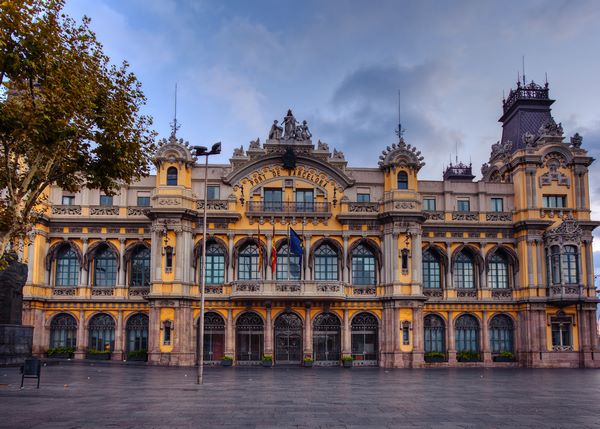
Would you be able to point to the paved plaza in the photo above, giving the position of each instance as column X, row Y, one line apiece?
column 125, row 396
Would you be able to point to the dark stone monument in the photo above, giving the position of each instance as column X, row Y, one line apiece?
column 15, row 339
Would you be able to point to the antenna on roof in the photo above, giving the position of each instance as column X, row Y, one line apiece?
column 400, row 130
column 174, row 125
column 546, row 73
column 456, row 142
column 524, row 81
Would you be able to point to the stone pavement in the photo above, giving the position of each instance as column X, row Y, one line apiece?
column 124, row 396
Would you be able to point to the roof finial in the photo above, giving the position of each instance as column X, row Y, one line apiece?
column 400, row 130
column 174, row 125
column 524, row 81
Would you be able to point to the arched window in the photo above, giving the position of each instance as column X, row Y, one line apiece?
column 569, row 265
column 365, row 339
column 67, row 267
column 248, row 263
column 402, row 180
column 137, row 333
column 555, row 264
column 140, row 268
column 326, row 263
column 285, row 271
column 435, row 334
column 498, row 271
column 363, row 266
column 327, row 338
column 171, row 176
column 467, row 334
column 215, row 264
column 105, row 267
column 501, row 334
column 431, row 270
column 214, row 337
column 288, row 338
column 464, row 275
column 63, row 331
column 249, row 337
column 102, row 332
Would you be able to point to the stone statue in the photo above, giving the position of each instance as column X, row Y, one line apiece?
column 338, row 154
column 305, row 133
column 276, row 131
column 12, row 280
column 576, row 140
column 289, row 123
column 529, row 139
column 322, row 146
column 255, row 144
column 238, row 152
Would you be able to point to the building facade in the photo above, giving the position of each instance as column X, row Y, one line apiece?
column 395, row 271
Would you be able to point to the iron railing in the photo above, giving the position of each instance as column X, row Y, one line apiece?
column 287, row 207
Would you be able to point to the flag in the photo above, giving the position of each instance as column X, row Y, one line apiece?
column 273, row 254
column 296, row 244
column 260, row 252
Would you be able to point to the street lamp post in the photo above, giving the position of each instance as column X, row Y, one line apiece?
column 203, row 151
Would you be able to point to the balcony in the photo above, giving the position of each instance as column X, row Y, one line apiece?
column 287, row 289
column 565, row 294
column 278, row 209
column 66, row 210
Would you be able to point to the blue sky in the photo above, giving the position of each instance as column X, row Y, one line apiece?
column 339, row 65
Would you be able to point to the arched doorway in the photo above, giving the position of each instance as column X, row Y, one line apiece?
column 288, row 339
column 249, row 339
column 326, row 339
column 137, row 334
column 63, row 331
column 214, row 337
column 365, row 339
column 101, row 331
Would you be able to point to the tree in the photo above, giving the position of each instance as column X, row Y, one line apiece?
column 67, row 115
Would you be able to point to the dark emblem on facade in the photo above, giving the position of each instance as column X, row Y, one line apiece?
column 289, row 159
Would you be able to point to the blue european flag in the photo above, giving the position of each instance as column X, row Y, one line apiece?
column 296, row 245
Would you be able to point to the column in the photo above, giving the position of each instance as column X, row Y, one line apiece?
column 229, row 336
column 30, row 256
column 270, row 249
column 589, row 264
column 417, row 256
column 451, row 343
column 154, row 330
column 268, row 332
column 158, row 231
column 306, row 259
column 394, row 252
column 396, row 330
column 118, row 352
column 449, row 284
column 81, row 336
column 485, row 341
column 121, row 277
column 345, row 276
column 482, row 277
column 417, row 330
column 346, row 338
column 529, row 264
column 538, row 256
column 308, row 346
column 230, row 237
column 179, row 253
column 593, row 329
column 83, row 280
column 47, row 270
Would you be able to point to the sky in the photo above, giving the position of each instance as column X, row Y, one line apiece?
column 339, row 65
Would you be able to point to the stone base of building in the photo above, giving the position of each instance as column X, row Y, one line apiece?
column 15, row 344
column 561, row 360
column 172, row 359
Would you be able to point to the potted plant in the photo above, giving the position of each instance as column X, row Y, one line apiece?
column 267, row 361
column 227, row 361
column 94, row 354
column 308, row 362
column 467, row 356
column 504, row 357
column 138, row 355
column 347, row 361
column 60, row 353
column 435, row 357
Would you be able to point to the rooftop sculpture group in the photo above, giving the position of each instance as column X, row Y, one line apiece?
column 291, row 129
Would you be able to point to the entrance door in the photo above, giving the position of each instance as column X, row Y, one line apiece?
column 288, row 339
column 326, row 339
column 364, row 339
column 249, row 339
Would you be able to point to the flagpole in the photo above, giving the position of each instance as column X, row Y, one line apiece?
column 288, row 255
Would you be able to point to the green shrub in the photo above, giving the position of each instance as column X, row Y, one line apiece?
column 98, row 352
column 267, row 358
column 347, row 358
column 60, row 350
column 435, row 355
column 138, row 353
column 508, row 355
column 467, row 355
column 227, row 358
column 308, row 359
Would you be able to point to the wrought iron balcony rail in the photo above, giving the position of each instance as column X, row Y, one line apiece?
column 287, row 207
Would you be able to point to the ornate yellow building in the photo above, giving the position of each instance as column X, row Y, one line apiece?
column 395, row 271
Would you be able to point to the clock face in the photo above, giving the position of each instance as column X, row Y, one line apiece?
column 289, row 159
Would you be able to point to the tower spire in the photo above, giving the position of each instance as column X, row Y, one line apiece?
column 174, row 125
column 400, row 130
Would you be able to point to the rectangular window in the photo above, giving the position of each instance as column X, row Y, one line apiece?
column 561, row 333
column 497, row 205
column 68, row 200
column 168, row 259
column 554, row 201
column 305, row 200
column 273, row 199
column 463, row 205
column 213, row 192
column 363, row 198
column 143, row 201
column 167, row 326
column 106, row 200
column 429, row 204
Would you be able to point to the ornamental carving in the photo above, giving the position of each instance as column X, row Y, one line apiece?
column 213, row 205
column 469, row 217
column 554, row 161
column 328, row 287
column 137, row 211
column 498, row 217
column 169, row 202
column 67, row 210
column 466, row 293
column 558, row 213
column 551, row 128
column 502, row 294
column 104, row 211
column 501, row 150
column 139, row 291
column 214, row 290
column 576, row 141
column 64, row 291
column 401, row 155
column 103, row 292
column 568, row 231
column 288, row 287
column 433, row 293
column 247, row 286
column 434, row 215
column 363, row 207
column 364, row 290
column 405, row 205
